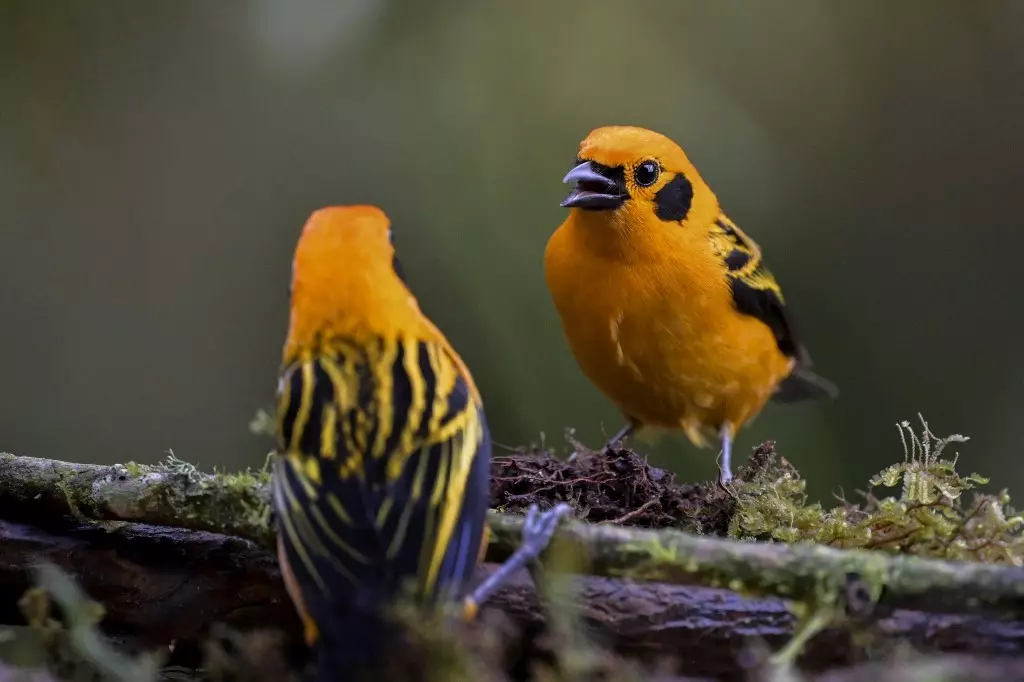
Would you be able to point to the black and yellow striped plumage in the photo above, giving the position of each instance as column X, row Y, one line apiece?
column 756, row 292
column 380, row 482
column 386, row 464
column 754, row 288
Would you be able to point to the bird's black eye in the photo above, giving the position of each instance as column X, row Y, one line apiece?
column 646, row 173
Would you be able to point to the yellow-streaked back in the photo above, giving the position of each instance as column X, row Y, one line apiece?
column 381, row 476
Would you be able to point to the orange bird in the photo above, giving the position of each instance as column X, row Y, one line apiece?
column 381, row 473
column 666, row 304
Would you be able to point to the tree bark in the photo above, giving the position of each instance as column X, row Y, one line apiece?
column 162, row 584
column 170, row 552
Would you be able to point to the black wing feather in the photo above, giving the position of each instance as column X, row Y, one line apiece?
column 389, row 466
column 755, row 292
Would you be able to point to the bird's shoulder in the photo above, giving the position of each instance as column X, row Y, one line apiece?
column 755, row 291
column 741, row 255
column 378, row 398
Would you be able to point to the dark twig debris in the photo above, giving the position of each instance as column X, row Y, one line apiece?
column 621, row 487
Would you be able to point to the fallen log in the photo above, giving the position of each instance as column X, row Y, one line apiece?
column 160, row 585
column 237, row 505
column 170, row 551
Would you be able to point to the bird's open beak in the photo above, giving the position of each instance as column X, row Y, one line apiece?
column 594, row 189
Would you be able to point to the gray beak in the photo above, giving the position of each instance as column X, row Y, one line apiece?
column 594, row 189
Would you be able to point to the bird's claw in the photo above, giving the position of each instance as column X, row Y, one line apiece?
column 538, row 528
column 730, row 488
column 537, row 531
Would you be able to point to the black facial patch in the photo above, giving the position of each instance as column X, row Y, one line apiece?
column 672, row 202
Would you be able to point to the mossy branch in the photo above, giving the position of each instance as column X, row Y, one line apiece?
column 801, row 572
column 175, row 494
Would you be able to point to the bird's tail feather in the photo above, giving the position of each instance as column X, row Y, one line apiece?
column 350, row 641
column 803, row 384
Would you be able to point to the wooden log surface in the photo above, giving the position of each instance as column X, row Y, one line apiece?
column 160, row 584
column 171, row 552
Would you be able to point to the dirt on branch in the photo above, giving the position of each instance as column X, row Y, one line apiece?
column 622, row 488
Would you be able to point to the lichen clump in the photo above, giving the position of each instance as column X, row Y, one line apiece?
column 930, row 516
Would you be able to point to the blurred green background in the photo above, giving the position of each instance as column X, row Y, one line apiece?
column 158, row 160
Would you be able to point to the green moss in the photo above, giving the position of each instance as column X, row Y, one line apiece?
column 243, row 480
column 135, row 469
column 929, row 517
column 230, row 503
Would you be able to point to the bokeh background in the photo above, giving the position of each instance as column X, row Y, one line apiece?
column 158, row 160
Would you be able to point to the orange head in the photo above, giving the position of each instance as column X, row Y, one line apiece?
column 346, row 280
column 633, row 176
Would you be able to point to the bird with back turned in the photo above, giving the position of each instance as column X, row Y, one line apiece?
column 666, row 304
column 380, row 483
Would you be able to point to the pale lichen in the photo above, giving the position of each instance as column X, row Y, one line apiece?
column 179, row 467
column 930, row 517
column 263, row 423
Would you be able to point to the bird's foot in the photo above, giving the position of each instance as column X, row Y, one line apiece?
column 726, row 481
column 725, row 458
column 615, row 442
column 609, row 448
column 730, row 488
column 724, row 470
column 606, row 451
column 539, row 528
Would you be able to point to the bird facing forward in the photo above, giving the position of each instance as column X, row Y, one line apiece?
column 381, row 472
column 665, row 303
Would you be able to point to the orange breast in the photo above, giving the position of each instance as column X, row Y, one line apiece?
column 658, row 334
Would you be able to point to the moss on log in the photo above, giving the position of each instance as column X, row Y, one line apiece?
column 177, row 495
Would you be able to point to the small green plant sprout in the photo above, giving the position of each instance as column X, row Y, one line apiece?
column 930, row 517
column 926, row 476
